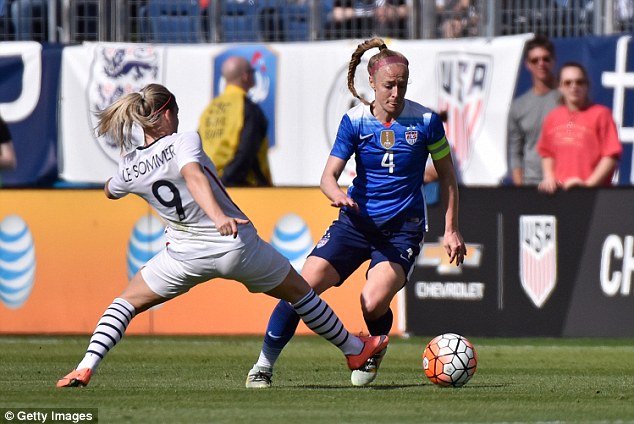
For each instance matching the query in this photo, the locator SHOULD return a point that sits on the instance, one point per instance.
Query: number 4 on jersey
(388, 161)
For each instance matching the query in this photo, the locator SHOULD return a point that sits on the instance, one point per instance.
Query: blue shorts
(351, 240)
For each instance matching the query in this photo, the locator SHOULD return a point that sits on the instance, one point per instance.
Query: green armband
(439, 149)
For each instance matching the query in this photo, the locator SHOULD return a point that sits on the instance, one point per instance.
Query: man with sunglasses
(529, 110)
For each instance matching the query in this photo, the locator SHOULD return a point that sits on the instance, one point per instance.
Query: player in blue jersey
(207, 235)
(383, 214)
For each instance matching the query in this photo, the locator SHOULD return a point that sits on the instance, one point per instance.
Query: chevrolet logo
(434, 255)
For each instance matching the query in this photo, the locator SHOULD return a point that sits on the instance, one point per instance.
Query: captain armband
(439, 149)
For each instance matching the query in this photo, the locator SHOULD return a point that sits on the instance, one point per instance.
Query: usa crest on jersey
(411, 137)
(538, 256)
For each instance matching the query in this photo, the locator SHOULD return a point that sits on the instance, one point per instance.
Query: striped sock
(318, 316)
(109, 331)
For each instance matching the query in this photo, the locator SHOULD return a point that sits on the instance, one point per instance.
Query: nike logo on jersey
(363, 137)
(273, 336)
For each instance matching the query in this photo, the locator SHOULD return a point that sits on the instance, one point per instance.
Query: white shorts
(257, 265)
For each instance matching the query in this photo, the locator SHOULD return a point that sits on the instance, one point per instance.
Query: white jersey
(153, 172)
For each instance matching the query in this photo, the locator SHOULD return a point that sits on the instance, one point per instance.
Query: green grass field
(201, 380)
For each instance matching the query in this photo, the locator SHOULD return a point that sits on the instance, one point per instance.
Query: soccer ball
(449, 360)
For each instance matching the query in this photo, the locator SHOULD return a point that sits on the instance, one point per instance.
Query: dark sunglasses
(535, 60)
(580, 82)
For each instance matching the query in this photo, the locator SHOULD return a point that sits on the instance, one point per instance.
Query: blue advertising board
(28, 103)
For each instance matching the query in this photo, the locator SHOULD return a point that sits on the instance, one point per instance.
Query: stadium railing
(72, 21)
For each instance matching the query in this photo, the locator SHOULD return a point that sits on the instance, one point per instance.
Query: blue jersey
(390, 161)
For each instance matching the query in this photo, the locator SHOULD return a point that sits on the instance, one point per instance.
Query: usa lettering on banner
(465, 80)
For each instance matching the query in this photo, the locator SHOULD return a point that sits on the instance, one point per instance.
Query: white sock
(267, 358)
(109, 331)
(318, 316)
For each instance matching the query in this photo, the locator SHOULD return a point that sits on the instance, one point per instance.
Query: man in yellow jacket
(233, 129)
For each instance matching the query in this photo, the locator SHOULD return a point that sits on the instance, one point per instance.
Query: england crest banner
(93, 76)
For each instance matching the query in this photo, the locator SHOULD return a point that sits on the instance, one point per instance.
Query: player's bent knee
(139, 294)
(374, 308)
(292, 289)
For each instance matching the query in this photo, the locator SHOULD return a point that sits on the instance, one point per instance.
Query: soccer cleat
(371, 346)
(367, 373)
(259, 378)
(76, 378)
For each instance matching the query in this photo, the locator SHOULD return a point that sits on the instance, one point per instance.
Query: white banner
(308, 97)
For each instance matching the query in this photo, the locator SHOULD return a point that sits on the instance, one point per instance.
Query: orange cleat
(76, 378)
(371, 346)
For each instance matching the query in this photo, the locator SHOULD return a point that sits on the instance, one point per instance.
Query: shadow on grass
(350, 387)
(397, 387)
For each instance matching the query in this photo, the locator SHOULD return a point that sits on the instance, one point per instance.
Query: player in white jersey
(207, 236)
(383, 214)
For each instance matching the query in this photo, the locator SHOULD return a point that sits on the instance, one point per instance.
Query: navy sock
(282, 325)
(280, 330)
(382, 325)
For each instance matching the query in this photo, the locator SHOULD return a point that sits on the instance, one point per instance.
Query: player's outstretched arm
(199, 187)
(453, 241)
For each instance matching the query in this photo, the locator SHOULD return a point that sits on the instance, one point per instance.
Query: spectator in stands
(575, 16)
(234, 129)
(363, 18)
(623, 13)
(457, 18)
(579, 144)
(8, 159)
(391, 18)
(204, 16)
(528, 111)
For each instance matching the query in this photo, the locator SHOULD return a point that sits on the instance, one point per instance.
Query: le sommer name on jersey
(148, 164)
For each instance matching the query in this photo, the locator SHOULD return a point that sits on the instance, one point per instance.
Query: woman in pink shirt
(579, 144)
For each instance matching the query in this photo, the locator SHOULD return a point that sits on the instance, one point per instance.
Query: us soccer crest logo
(465, 82)
(117, 70)
(538, 256)
(411, 137)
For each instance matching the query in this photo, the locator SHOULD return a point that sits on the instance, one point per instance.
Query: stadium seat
(238, 21)
(296, 21)
(29, 19)
(174, 21)
(291, 20)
